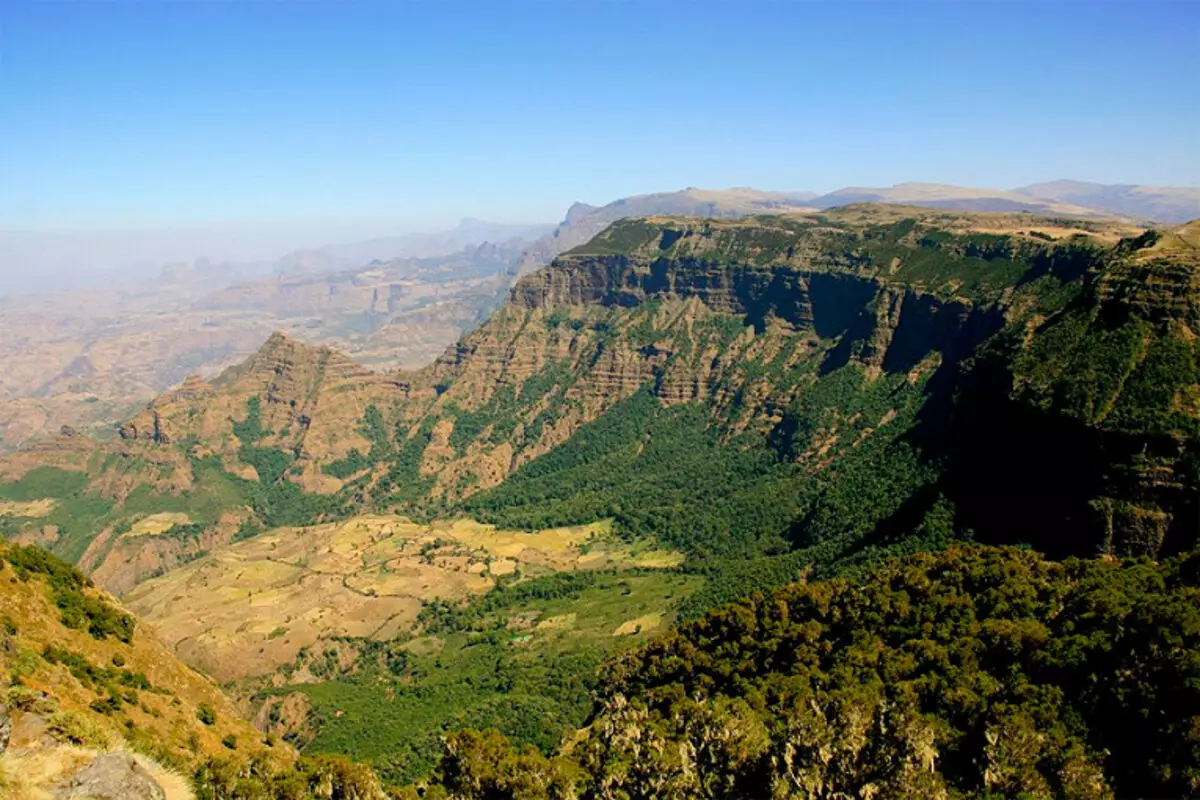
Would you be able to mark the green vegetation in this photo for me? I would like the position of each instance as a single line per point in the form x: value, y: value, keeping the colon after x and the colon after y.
x: 318, y: 777
x: 403, y: 483
x: 248, y: 529
x: 250, y: 430
x: 373, y: 427
x: 42, y: 482
x: 977, y: 673
x: 121, y: 685
x: 213, y: 492
x: 665, y: 472
x: 350, y: 464
x: 621, y: 237
x: 656, y: 471
x: 77, y: 514
x: 501, y: 414
x: 439, y: 616
x: 276, y: 500
x: 76, y: 727
x: 79, y: 609
x: 1122, y: 374
x: 521, y: 659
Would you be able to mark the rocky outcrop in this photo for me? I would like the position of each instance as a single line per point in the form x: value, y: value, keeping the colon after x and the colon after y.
x: 147, y: 426
x: 112, y: 776
x: 894, y: 326
x: 286, y: 717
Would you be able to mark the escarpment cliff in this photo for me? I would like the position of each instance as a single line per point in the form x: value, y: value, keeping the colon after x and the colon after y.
x: 1091, y: 412
x: 968, y: 334
x: 744, y: 315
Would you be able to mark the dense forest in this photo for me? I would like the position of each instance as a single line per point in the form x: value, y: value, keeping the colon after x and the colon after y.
x: 974, y: 673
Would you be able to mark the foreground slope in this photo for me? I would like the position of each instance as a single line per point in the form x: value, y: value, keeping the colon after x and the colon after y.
x: 82, y: 676
x: 974, y: 673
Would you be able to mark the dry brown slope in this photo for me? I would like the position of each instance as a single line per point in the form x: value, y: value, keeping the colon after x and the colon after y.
x: 58, y: 684
x: 250, y: 609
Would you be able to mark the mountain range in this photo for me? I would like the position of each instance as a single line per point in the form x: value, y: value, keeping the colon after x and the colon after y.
x: 852, y: 424
x: 86, y: 364
x: 1074, y: 198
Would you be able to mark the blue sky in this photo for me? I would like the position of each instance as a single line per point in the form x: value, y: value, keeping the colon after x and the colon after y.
x: 138, y: 114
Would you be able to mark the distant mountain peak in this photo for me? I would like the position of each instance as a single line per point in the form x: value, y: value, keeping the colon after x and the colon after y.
x: 578, y: 211
x: 1166, y: 203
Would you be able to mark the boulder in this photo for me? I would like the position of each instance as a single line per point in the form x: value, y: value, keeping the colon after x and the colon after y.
x: 112, y: 776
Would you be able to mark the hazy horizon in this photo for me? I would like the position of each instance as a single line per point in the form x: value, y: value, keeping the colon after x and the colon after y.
x: 150, y: 115
x: 35, y: 260
x: 142, y: 133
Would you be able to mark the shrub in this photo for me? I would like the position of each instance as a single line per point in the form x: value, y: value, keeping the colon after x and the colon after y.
x: 24, y: 698
x: 205, y: 713
x: 77, y: 609
x: 78, y: 728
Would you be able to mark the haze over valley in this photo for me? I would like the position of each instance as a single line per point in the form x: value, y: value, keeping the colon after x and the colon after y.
x: 582, y: 401
x: 87, y: 358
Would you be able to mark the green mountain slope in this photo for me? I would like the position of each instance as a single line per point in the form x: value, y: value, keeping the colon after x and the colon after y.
x: 779, y: 398
x: 975, y: 673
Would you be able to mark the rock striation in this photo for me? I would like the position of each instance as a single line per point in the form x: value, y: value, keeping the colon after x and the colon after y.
x: 744, y: 314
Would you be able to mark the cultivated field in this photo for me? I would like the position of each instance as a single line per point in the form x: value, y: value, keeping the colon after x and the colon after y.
x: 249, y: 609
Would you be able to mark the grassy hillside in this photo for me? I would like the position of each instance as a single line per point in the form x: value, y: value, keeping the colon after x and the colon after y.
x: 81, y: 676
x: 71, y: 646
x: 82, y: 679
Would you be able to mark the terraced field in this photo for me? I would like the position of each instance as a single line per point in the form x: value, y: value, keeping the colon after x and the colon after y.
x: 250, y: 609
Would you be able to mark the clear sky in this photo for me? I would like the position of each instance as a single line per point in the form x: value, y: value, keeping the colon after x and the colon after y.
x: 147, y: 114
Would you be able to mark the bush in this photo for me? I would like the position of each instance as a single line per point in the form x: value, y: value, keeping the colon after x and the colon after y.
x: 323, y: 777
x: 67, y: 584
x: 205, y: 713
x: 24, y: 698
x: 75, y: 727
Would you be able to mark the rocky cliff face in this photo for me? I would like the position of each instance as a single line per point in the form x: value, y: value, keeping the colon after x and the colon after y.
x: 1091, y: 412
x: 303, y: 390
x: 744, y: 315
x: 584, y: 221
